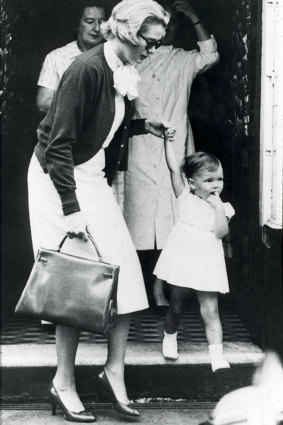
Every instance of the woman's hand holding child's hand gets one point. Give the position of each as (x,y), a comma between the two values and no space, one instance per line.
(215,201)
(76,226)
(169,134)
(159,128)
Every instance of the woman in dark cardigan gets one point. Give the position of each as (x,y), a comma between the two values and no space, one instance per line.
(68,190)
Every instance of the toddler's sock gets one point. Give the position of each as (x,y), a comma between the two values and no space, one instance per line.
(216,357)
(170,346)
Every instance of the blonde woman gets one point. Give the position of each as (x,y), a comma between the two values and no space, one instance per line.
(82,142)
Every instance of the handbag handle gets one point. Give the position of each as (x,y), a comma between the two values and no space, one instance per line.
(90,238)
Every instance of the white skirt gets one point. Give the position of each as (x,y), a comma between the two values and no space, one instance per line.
(104,221)
(193,258)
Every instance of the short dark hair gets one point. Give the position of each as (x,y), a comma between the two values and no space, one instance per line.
(82,4)
(200,161)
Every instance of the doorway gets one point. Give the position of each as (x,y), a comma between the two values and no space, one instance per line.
(224,114)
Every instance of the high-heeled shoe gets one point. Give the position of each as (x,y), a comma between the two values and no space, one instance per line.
(120,407)
(83,416)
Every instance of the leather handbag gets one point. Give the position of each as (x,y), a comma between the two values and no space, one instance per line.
(72,291)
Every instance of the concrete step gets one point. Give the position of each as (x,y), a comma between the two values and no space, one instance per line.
(181,413)
(28,368)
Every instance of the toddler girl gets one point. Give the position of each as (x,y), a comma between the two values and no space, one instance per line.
(193,254)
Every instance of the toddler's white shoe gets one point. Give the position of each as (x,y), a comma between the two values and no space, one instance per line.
(170,346)
(216,357)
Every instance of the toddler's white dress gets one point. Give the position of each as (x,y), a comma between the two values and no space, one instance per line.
(193,256)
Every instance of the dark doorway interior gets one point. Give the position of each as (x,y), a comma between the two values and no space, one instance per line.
(222,106)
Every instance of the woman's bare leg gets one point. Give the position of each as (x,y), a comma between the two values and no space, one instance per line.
(114,367)
(67,340)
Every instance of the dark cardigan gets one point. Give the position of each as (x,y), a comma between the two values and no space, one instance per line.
(79,121)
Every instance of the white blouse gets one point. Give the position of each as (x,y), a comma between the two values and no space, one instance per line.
(114,62)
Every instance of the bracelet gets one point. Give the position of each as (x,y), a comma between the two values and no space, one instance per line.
(196,23)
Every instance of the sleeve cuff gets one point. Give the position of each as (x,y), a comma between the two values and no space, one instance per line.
(46,85)
(229,210)
(70,203)
(208,46)
(138,127)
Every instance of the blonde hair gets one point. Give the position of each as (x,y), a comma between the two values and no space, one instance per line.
(131,16)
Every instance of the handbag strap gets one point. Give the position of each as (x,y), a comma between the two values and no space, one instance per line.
(90,238)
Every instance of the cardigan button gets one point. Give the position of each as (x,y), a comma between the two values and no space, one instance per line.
(119,162)
(125,128)
(122,146)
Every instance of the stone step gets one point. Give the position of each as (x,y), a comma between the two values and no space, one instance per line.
(28,368)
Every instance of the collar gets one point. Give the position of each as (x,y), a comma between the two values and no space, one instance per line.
(126,77)
(111,58)
(74,50)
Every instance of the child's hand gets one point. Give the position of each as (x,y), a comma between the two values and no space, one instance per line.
(215,200)
(158,128)
(169,134)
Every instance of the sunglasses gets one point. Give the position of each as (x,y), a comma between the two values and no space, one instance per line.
(150,43)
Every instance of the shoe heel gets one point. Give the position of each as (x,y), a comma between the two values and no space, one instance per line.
(119,407)
(81,417)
